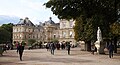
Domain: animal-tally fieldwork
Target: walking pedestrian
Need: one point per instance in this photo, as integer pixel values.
(52, 48)
(93, 49)
(58, 46)
(68, 48)
(47, 46)
(111, 49)
(20, 49)
(5, 48)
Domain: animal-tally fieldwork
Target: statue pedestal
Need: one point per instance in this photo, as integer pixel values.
(100, 47)
(97, 45)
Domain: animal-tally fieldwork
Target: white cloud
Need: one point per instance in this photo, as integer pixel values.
(33, 9)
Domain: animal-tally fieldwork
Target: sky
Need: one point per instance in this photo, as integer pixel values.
(33, 9)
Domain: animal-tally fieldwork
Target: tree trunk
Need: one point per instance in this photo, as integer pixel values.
(115, 45)
(88, 45)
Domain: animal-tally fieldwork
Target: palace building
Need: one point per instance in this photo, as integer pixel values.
(44, 32)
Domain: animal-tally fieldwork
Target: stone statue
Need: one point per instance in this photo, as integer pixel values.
(99, 39)
(99, 35)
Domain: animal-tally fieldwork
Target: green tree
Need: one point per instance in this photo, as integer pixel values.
(9, 28)
(115, 33)
(97, 9)
(78, 28)
(84, 30)
(4, 35)
(67, 9)
(55, 40)
(31, 41)
(100, 13)
(115, 28)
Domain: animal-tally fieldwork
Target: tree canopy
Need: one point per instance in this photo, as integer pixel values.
(115, 29)
(31, 41)
(95, 13)
(6, 33)
(67, 9)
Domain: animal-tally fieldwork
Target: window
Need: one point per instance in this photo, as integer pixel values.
(71, 33)
(71, 24)
(54, 36)
(64, 24)
(20, 30)
(17, 37)
(64, 34)
(29, 36)
(33, 36)
(45, 36)
(37, 35)
(13, 37)
(25, 36)
(29, 30)
(32, 30)
(20, 36)
(17, 30)
(25, 30)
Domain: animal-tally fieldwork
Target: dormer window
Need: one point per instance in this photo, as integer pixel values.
(71, 24)
(64, 24)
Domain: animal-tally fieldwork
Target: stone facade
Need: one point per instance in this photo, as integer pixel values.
(25, 30)
(44, 32)
(66, 31)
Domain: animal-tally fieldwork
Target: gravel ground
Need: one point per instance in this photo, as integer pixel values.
(43, 57)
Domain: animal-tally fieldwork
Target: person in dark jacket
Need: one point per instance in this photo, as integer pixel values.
(20, 49)
(52, 48)
(68, 48)
(93, 49)
(111, 49)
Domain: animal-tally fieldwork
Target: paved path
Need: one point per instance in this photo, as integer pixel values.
(43, 57)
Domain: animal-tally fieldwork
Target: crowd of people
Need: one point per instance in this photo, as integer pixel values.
(109, 48)
(7, 47)
(51, 46)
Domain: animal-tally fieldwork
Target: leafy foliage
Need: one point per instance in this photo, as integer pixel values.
(6, 33)
(115, 28)
(55, 40)
(75, 8)
(31, 41)
(97, 13)
(8, 27)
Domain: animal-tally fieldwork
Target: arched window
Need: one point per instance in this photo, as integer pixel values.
(71, 24)
(64, 34)
(54, 36)
(63, 24)
(71, 33)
